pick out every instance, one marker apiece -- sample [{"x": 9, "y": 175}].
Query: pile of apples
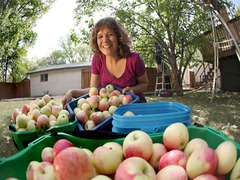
[
  {"x": 138, "y": 157},
  {"x": 40, "y": 114},
  {"x": 99, "y": 106}
]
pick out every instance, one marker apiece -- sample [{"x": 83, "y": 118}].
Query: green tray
[
  {"x": 16, "y": 165},
  {"x": 22, "y": 139}
]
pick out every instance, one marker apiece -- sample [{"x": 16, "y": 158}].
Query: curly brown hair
[{"x": 124, "y": 41}]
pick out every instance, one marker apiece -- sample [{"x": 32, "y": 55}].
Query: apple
[
  {"x": 43, "y": 121},
  {"x": 44, "y": 170},
  {"x": 103, "y": 104},
  {"x": 194, "y": 144},
  {"x": 87, "y": 108},
  {"x": 107, "y": 158},
  {"x": 73, "y": 163},
  {"x": 235, "y": 173},
  {"x": 53, "y": 123},
  {"x": 45, "y": 110},
  {"x": 227, "y": 157},
  {"x": 158, "y": 151},
  {"x": 97, "y": 117},
  {"x": 62, "y": 119},
  {"x": 104, "y": 93},
  {"x": 52, "y": 118},
  {"x": 176, "y": 136},
  {"x": 15, "y": 113},
  {"x": 135, "y": 168},
  {"x": 173, "y": 157},
  {"x": 206, "y": 177},
  {"x": 106, "y": 114},
  {"x": 22, "y": 120},
  {"x": 25, "y": 109},
  {"x": 47, "y": 154},
  {"x": 82, "y": 116},
  {"x": 110, "y": 88},
  {"x": 172, "y": 172},
  {"x": 55, "y": 110},
  {"x": 117, "y": 92},
  {"x": 30, "y": 169},
  {"x": 89, "y": 125},
  {"x": 88, "y": 152},
  {"x": 60, "y": 145},
  {"x": 93, "y": 91},
  {"x": 35, "y": 114},
  {"x": 80, "y": 102},
  {"x": 111, "y": 109},
  {"x": 93, "y": 101},
  {"x": 46, "y": 98},
  {"x": 33, "y": 106},
  {"x": 128, "y": 113},
  {"x": 101, "y": 177},
  {"x": 113, "y": 94},
  {"x": 201, "y": 161},
  {"x": 138, "y": 143},
  {"x": 31, "y": 125},
  {"x": 127, "y": 99},
  {"x": 76, "y": 110},
  {"x": 41, "y": 103},
  {"x": 113, "y": 101},
  {"x": 120, "y": 97},
  {"x": 64, "y": 111}
]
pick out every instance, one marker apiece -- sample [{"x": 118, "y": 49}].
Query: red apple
[
  {"x": 43, "y": 121},
  {"x": 104, "y": 93},
  {"x": 194, "y": 144},
  {"x": 173, "y": 157},
  {"x": 82, "y": 116},
  {"x": 93, "y": 91},
  {"x": 89, "y": 125},
  {"x": 176, "y": 136},
  {"x": 25, "y": 109},
  {"x": 93, "y": 101},
  {"x": 206, "y": 177},
  {"x": 60, "y": 145},
  {"x": 113, "y": 101},
  {"x": 127, "y": 99},
  {"x": 172, "y": 172},
  {"x": 201, "y": 161},
  {"x": 97, "y": 117},
  {"x": 30, "y": 169},
  {"x": 135, "y": 168},
  {"x": 138, "y": 143},
  {"x": 15, "y": 113},
  {"x": 103, "y": 104},
  {"x": 73, "y": 163},
  {"x": 47, "y": 154},
  {"x": 158, "y": 151},
  {"x": 55, "y": 110}
]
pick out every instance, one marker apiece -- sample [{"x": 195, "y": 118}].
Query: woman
[{"x": 113, "y": 61}]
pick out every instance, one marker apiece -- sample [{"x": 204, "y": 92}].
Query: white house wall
[{"x": 59, "y": 82}]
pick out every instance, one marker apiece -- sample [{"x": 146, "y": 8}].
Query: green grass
[{"x": 223, "y": 113}]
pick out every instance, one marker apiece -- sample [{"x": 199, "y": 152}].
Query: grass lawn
[{"x": 223, "y": 114}]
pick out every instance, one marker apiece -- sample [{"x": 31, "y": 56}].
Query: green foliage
[
  {"x": 237, "y": 12},
  {"x": 17, "y": 19}
]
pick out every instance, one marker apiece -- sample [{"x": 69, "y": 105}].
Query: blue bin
[
  {"x": 150, "y": 117},
  {"x": 107, "y": 122}
]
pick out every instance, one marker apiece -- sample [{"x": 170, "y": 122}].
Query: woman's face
[{"x": 107, "y": 41}]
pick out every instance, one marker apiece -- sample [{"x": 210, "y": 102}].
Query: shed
[{"x": 58, "y": 79}]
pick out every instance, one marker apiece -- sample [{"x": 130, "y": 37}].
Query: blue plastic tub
[
  {"x": 107, "y": 122},
  {"x": 150, "y": 117}
]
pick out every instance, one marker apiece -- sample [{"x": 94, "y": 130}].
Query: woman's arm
[{"x": 141, "y": 86}]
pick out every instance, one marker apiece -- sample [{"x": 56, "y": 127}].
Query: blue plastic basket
[
  {"x": 150, "y": 117},
  {"x": 107, "y": 122}
]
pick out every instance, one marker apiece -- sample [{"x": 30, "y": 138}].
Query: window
[{"x": 44, "y": 78}]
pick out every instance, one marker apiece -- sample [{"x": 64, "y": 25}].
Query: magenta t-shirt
[{"x": 135, "y": 68}]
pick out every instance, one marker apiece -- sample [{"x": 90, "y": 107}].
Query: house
[{"x": 58, "y": 79}]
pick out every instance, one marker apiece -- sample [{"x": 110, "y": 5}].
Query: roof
[{"x": 61, "y": 67}]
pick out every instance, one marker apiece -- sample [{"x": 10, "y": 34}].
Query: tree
[
  {"x": 17, "y": 19},
  {"x": 237, "y": 12},
  {"x": 176, "y": 24}
]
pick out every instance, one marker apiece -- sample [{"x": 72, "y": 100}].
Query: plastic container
[
  {"x": 16, "y": 165},
  {"x": 150, "y": 117},
  {"x": 21, "y": 139},
  {"x": 106, "y": 124}
]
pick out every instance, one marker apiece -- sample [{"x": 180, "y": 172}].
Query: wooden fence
[{"x": 15, "y": 90}]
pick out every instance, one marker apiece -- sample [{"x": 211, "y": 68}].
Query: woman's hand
[
  {"x": 66, "y": 99},
  {"x": 127, "y": 89}
]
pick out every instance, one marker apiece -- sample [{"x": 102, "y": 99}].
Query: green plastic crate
[
  {"x": 22, "y": 139},
  {"x": 16, "y": 165}
]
